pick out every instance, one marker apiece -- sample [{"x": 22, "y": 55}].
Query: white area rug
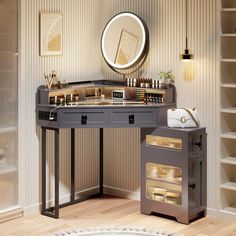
[{"x": 114, "y": 231}]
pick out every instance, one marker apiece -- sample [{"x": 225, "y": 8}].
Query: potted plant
[{"x": 167, "y": 77}]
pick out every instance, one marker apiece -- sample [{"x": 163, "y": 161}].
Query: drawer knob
[
  {"x": 131, "y": 119},
  {"x": 84, "y": 119},
  {"x": 192, "y": 185},
  {"x": 198, "y": 143}
]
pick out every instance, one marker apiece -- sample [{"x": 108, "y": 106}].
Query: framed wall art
[{"x": 50, "y": 34}]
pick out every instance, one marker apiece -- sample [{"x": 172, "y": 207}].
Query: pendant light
[{"x": 186, "y": 55}]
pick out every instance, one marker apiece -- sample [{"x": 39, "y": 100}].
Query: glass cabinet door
[
  {"x": 164, "y": 183},
  {"x": 8, "y": 104},
  {"x": 164, "y": 142}
]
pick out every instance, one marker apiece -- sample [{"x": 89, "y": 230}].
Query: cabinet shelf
[
  {"x": 166, "y": 181},
  {"x": 228, "y": 9},
  {"x": 228, "y": 71},
  {"x": 7, "y": 169},
  {"x": 228, "y": 85},
  {"x": 228, "y": 35},
  {"x": 229, "y": 135},
  {"x": 229, "y": 186},
  {"x": 228, "y": 45},
  {"x": 229, "y": 160},
  {"x": 231, "y": 110},
  {"x": 228, "y": 59}
]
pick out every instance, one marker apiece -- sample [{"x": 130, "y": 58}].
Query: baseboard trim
[
  {"x": 121, "y": 193},
  {"x": 10, "y": 214},
  {"x": 220, "y": 214},
  {"x": 107, "y": 190},
  {"x": 136, "y": 196},
  {"x": 63, "y": 199}
]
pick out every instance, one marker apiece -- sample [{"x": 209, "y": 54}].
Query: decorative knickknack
[{"x": 166, "y": 78}]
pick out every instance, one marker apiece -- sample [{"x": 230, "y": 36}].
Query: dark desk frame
[{"x": 54, "y": 211}]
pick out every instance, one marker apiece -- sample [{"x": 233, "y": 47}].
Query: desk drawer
[
  {"x": 84, "y": 118},
  {"x": 133, "y": 118}
]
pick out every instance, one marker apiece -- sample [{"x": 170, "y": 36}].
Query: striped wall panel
[
  {"x": 80, "y": 61},
  {"x": 83, "y": 21}
]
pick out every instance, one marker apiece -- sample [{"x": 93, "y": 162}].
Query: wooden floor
[{"x": 112, "y": 211}]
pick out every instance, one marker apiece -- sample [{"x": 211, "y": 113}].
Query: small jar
[
  {"x": 154, "y": 83},
  {"x": 128, "y": 82}
]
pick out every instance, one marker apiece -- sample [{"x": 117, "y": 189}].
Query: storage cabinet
[
  {"x": 8, "y": 109},
  {"x": 228, "y": 107},
  {"x": 173, "y": 172}
]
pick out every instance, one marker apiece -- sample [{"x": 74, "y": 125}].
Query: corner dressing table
[
  {"x": 91, "y": 113},
  {"x": 134, "y": 103}
]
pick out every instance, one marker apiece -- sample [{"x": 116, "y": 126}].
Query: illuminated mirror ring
[{"x": 125, "y": 42}]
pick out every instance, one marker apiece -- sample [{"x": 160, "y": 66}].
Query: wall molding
[
  {"x": 65, "y": 198},
  {"x": 62, "y": 199},
  {"x": 220, "y": 214},
  {"x": 121, "y": 193},
  {"x": 10, "y": 214}
]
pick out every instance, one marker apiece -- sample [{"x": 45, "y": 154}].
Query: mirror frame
[{"x": 140, "y": 58}]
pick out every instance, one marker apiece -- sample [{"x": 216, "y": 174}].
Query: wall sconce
[{"x": 186, "y": 55}]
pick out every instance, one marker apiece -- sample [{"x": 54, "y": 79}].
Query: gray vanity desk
[
  {"x": 173, "y": 160},
  {"x": 92, "y": 111}
]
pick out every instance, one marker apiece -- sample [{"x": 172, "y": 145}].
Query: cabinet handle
[
  {"x": 199, "y": 144},
  {"x": 192, "y": 186},
  {"x": 131, "y": 119},
  {"x": 84, "y": 119}
]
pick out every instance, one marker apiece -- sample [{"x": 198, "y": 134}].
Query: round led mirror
[{"x": 125, "y": 42}]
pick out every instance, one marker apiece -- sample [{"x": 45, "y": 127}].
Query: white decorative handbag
[{"x": 182, "y": 117}]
